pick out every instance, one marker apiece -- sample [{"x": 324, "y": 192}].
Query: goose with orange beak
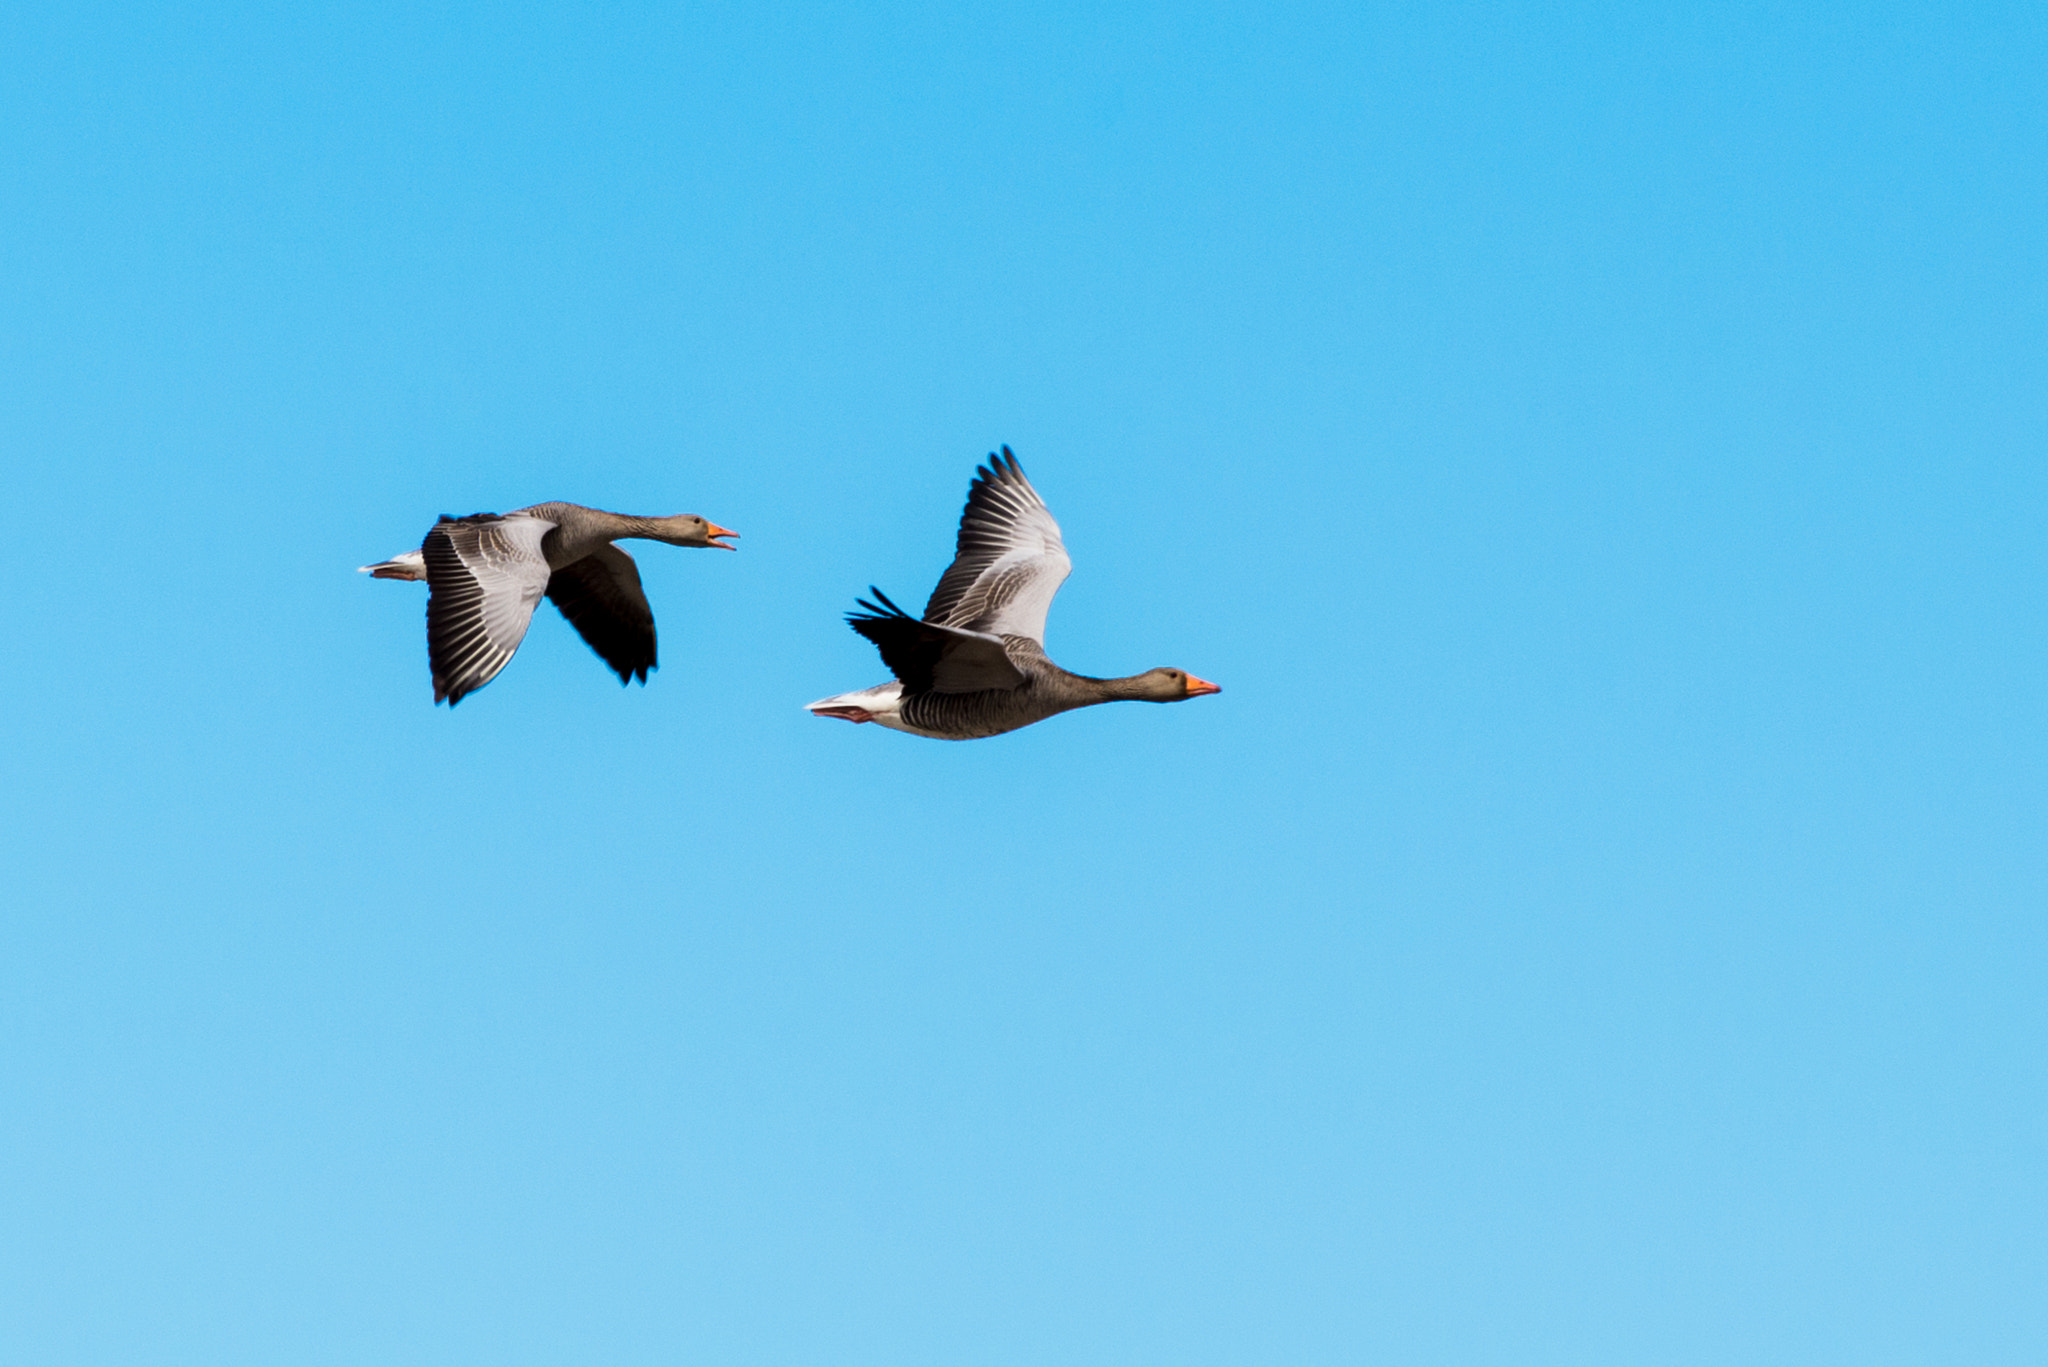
[
  {"x": 975, "y": 664},
  {"x": 485, "y": 574}
]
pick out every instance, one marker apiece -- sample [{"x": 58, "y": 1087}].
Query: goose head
[
  {"x": 1171, "y": 685},
  {"x": 688, "y": 529}
]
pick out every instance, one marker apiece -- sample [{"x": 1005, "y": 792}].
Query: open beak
[
  {"x": 718, "y": 531},
  {"x": 1197, "y": 687}
]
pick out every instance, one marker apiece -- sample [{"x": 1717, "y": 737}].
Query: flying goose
[
  {"x": 975, "y": 664},
  {"x": 485, "y": 573}
]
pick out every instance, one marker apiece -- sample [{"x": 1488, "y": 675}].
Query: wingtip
[
  {"x": 876, "y": 605},
  {"x": 1001, "y": 467}
]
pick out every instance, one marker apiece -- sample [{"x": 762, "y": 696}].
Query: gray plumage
[
  {"x": 486, "y": 573},
  {"x": 975, "y": 664}
]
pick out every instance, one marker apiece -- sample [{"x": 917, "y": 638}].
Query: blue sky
[{"x": 1597, "y": 448}]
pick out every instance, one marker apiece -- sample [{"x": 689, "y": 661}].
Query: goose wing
[
  {"x": 484, "y": 575},
  {"x": 1008, "y": 562},
  {"x": 602, "y": 598},
  {"x": 931, "y": 657}
]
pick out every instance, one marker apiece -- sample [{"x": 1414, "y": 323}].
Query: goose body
[
  {"x": 486, "y": 573},
  {"x": 975, "y": 664}
]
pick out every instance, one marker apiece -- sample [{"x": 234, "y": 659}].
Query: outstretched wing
[
  {"x": 602, "y": 598},
  {"x": 930, "y": 657},
  {"x": 484, "y": 575},
  {"x": 1009, "y": 561}
]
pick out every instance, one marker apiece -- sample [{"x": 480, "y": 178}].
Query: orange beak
[
  {"x": 1197, "y": 687},
  {"x": 718, "y": 531}
]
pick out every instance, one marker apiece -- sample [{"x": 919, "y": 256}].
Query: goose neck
[{"x": 1124, "y": 689}]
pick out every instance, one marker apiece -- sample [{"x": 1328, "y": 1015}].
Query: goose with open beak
[{"x": 485, "y": 574}]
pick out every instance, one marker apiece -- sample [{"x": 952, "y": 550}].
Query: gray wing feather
[
  {"x": 971, "y": 661},
  {"x": 1009, "y": 560},
  {"x": 484, "y": 576}
]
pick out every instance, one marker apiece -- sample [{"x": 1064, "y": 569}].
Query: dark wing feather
[
  {"x": 602, "y": 598},
  {"x": 928, "y": 657}
]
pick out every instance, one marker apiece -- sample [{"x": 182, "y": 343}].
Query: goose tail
[
  {"x": 879, "y": 703},
  {"x": 409, "y": 565}
]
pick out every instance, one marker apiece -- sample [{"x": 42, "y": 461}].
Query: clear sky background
[{"x": 1597, "y": 447}]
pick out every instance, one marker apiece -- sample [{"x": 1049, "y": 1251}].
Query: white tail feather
[
  {"x": 406, "y": 565},
  {"x": 880, "y": 703}
]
